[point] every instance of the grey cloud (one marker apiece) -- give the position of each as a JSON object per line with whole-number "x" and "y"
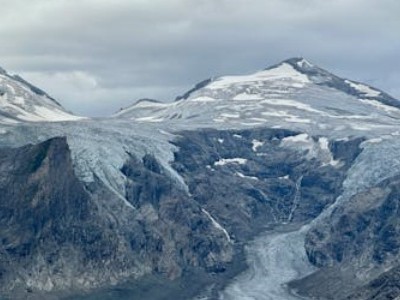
{"x": 123, "y": 49}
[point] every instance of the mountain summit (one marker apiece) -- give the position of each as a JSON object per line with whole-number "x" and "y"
{"x": 292, "y": 94}
{"x": 21, "y": 101}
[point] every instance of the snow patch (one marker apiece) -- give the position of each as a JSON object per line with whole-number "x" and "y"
{"x": 304, "y": 63}
{"x": 256, "y": 144}
{"x": 302, "y": 138}
{"x": 232, "y": 116}
{"x": 203, "y": 99}
{"x": 151, "y": 119}
{"x": 19, "y": 100}
{"x": 225, "y": 161}
{"x": 296, "y": 119}
{"x": 246, "y": 96}
{"x": 292, "y": 103}
{"x": 326, "y": 154}
{"x": 210, "y": 168}
{"x": 364, "y": 89}
{"x": 282, "y": 73}
{"x": 48, "y": 114}
{"x": 241, "y": 175}
{"x": 324, "y": 143}
{"x": 217, "y": 225}
{"x": 380, "y": 105}
{"x": 373, "y": 141}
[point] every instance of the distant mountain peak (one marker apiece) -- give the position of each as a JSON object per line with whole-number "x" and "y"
{"x": 294, "y": 90}
{"x": 20, "y": 101}
{"x": 299, "y": 64}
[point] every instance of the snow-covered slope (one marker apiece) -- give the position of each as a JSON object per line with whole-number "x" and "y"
{"x": 22, "y": 102}
{"x": 294, "y": 93}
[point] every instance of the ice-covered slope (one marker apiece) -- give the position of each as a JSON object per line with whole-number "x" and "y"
{"x": 294, "y": 92}
{"x": 22, "y": 102}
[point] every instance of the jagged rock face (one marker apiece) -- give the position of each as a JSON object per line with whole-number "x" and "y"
{"x": 53, "y": 233}
{"x": 57, "y": 234}
{"x": 251, "y": 178}
{"x": 386, "y": 286}
{"x": 172, "y": 223}
{"x": 43, "y": 210}
{"x": 359, "y": 242}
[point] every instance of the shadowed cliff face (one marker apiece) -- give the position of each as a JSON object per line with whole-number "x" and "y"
{"x": 43, "y": 211}
{"x": 57, "y": 234}
{"x": 175, "y": 234}
{"x": 53, "y": 235}
{"x": 357, "y": 247}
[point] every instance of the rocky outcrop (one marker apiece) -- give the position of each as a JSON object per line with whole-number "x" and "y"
{"x": 386, "y": 286}
{"x": 43, "y": 216}
{"x": 252, "y": 178}
{"x": 359, "y": 241}
{"x": 58, "y": 235}
{"x": 175, "y": 233}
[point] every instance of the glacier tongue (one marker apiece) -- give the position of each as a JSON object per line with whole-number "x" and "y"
{"x": 274, "y": 260}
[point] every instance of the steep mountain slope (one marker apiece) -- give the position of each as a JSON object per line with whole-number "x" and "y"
{"x": 22, "y": 102}
{"x": 57, "y": 234}
{"x": 174, "y": 191}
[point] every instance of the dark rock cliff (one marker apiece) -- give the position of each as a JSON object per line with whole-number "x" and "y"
{"x": 274, "y": 184}
{"x": 57, "y": 234}
{"x": 358, "y": 245}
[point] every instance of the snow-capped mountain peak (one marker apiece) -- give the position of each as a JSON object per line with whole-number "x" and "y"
{"x": 284, "y": 74}
{"x": 292, "y": 94}
{"x": 21, "y": 101}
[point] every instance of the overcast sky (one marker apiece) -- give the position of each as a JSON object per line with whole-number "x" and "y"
{"x": 96, "y": 56}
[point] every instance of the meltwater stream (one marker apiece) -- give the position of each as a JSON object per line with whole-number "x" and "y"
{"x": 274, "y": 259}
